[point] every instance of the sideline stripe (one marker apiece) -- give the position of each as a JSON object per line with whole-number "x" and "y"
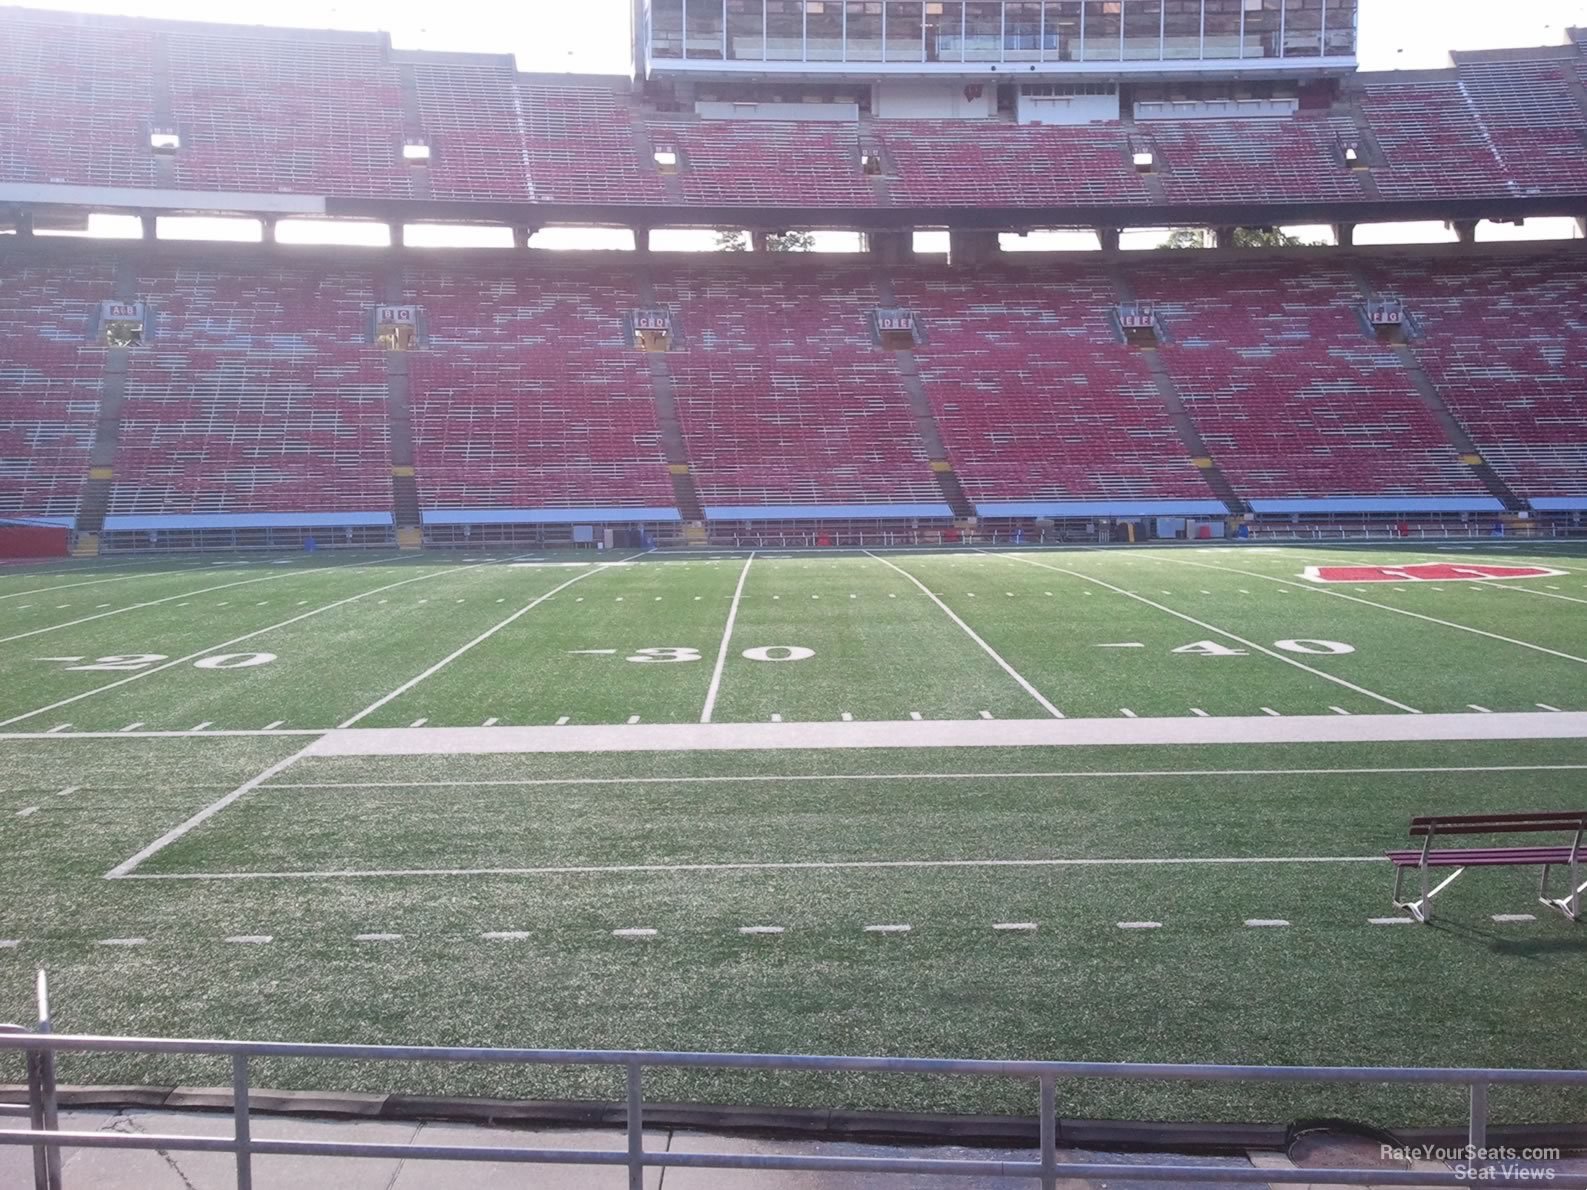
{"x": 121, "y": 870}
{"x": 1399, "y": 611}
{"x": 785, "y": 866}
{"x": 478, "y": 640}
{"x": 727, "y": 636}
{"x": 953, "y": 733}
{"x": 1083, "y": 774}
{"x": 971, "y": 633}
{"x": 236, "y": 640}
{"x": 1277, "y": 656}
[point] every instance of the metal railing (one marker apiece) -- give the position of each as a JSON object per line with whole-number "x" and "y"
{"x": 47, "y": 1138}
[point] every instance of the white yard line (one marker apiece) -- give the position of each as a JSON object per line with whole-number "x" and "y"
{"x": 132, "y": 607}
{"x": 124, "y": 868}
{"x": 1041, "y": 699}
{"x": 727, "y": 637}
{"x": 1399, "y": 611}
{"x": 1066, "y": 775}
{"x": 236, "y": 640}
{"x": 478, "y": 640}
{"x": 786, "y": 866}
{"x": 96, "y": 582}
{"x": 1277, "y": 656}
{"x": 951, "y": 733}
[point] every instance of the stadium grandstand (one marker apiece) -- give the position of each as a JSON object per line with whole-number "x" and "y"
{"x": 176, "y": 394}
{"x": 1005, "y": 600}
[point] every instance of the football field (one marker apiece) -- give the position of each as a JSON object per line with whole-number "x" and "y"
{"x": 1083, "y": 804}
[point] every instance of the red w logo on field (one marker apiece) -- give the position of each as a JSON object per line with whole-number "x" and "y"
{"x": 1424, "y": 572}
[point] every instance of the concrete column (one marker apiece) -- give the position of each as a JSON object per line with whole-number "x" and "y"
{"x": 1223, "y": 237}
{"x": 758, "y": 240}
{"x": 399, "y": 237}
{"x": 641, "y": 239}
{"x": 151, "y": 229}
{"x": 520, "y": 236}
{"x": 1108, "y": 237}
{"x": 1345, "y": 234}
{"x": 267, "y": 230}
{"x": 24, "y": 225}
{"x": 891, "y": 247}
{"x": 971, "y": 247}
{"x": 1465, "y": 230}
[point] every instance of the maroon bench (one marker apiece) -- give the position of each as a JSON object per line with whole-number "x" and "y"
{"x": 1571, "y": 824}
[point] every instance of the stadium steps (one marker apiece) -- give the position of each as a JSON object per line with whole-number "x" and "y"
{"x": 107, "y": 435}
{"x": 1434, "y": 400}
{"x": 925, "y": 417}
{"x": 684, "y": 491}
{"x": 1168, "y": 393}
{"x": 404, "y": 487}
{"x": 1452, "y": 427}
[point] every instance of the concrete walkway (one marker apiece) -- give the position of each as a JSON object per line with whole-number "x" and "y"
{"x": 101, "y": 1169}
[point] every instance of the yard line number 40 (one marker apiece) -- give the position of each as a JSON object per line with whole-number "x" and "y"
{"x": 127, "y": 662}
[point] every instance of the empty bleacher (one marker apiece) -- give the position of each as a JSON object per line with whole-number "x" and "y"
{"x": 469, "y": 115}
{"x": 783, "y": 397}
{"x": 1505, "y": 341}
{"x": 1293, "y": 159}
{"x": 257, "y": 395}
{"x": 1035, "y": 398}
{"x": 271, "y": 111}
{"x": 50, "y": 381}
{"x": 1293, "y": 398}
{"x": 325, "y": 113}
{"x": 526, "y": 397}
{"x": 75, "y": 99}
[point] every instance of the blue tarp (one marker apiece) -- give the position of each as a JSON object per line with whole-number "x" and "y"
{"x": 547, "y": 516}
{"x": 832, "y": 512}
{"x": 246, "y": 520}
{"x": 1390, "y": 504}
{"x": 1101, "y": 508}
{"x": 1559, "y": 503}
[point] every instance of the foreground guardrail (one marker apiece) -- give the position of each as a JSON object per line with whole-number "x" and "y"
{"x": 47, "y": 1139}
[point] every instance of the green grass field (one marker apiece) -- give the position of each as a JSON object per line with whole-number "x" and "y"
{"x": 173, "y": 723}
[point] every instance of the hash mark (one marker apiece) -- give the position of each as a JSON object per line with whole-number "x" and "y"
{"x": 1140, "y": 925}
{"x": 1338, "y": 710}
{"x": 634, "y": 932}
{"x": 915, "y": 715}
{"x": 632, "y": 719}
{"x": 846, "y": 717}
{"x": 273, "y": 726}
{"x": 1269, "y": 711}
{"x": 1482, "y": 710}
{"x": 986, "y": 714}
{"x": 201, "y": 726}
{"x": 760, "y": 929}
{"x": 121, "y": 942}
{"x": 1198, "y": 713}
{"x": 1391, "y": 921}
{"x": 377, "y": 937}
{"x": 776, "y": 718}
{"x": 1543, "y": 706}
{"x": 31, "y": 810}
{"x": 1509, "y": 917}
{"x": 1259, "y": 922}
{"x": 1014, "y": 925}
{"x": 506, "y": 936}
{"x": 252, "y": 939}
{"x": 490, "y": 723}
{"x": 562, "y": 722}
{"x": 898, "y": 929}
{"x": 133, "y": 726}
{"x": 418, "y": 723}
{"x": 1127, "y": 713}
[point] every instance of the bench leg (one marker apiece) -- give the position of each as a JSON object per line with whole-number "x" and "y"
{"x": 1422, "y": 908}
{"x": 1570, "y": 903}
